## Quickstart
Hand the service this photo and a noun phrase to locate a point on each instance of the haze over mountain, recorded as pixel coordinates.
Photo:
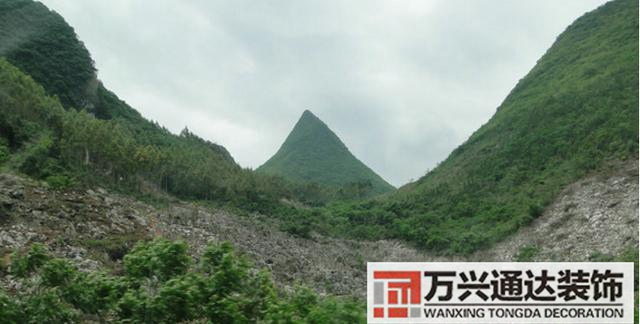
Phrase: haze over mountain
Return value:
(314, 153)
(424, 74)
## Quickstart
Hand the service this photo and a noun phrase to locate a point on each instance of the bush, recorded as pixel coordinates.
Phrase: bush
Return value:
(161, 258)
(222, 288)
(300, 229)
(527, 253)
(48, 307)
(24, 264)
(57, 272)
(58, 181)
(4, 152)
(9, 309)
(535, 210)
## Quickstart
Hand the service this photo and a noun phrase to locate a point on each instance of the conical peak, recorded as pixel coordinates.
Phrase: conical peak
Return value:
(308, 115)
(312, 152)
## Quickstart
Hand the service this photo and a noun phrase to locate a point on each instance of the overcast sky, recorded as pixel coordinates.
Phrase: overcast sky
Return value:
(402, 83)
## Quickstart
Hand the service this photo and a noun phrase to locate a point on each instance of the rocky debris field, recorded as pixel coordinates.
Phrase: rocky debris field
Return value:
(595, 216)
(95, 228)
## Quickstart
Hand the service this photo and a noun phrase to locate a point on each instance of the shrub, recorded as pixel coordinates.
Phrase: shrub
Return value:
(527, 253)
(4, 151)
(160, 258)
(48, 307)
(24, 264)
(222, 288)
(57, 272)
(9, 309)
(58, 181)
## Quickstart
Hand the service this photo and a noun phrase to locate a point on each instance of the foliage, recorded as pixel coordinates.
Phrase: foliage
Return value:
(59, 181)
(39, 41)
(160, 259)
(575, 111)
(160, 284)
(68, 147)
(313, 153)
(47, 307)
(111, 143)
(630, 254)
(9, 308)
(571, 114)
(298, 226)
(25, 264)
(527, 253)
(4, 151)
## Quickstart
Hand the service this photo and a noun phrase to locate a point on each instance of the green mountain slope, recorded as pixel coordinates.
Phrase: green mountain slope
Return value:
(38, 41)
(314, 153)
(575, 110)
(111, 144)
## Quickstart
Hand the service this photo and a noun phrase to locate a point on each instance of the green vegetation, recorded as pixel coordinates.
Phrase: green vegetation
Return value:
(571, 114)
(527, 253)
(628, 255)
(66, 147)
(313, 153)
(161, 283)
(39, 41)
(575, 110)
(42, 45)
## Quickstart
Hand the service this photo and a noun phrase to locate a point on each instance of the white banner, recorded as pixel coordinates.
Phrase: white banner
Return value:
(500, 292)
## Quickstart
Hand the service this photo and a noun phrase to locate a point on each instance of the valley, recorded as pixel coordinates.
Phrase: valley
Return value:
(106, 215)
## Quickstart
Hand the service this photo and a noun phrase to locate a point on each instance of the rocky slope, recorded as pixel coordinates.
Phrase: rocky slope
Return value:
(95, 228)
(597, 215)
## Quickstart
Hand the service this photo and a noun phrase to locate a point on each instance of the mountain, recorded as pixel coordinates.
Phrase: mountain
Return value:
(96, 138)
(41, 43)
(87, 185)
(572, 115)
(313, 153)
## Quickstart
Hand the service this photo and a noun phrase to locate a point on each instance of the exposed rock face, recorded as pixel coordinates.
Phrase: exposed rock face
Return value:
(95, 228)
(598, 214)
(92, 228)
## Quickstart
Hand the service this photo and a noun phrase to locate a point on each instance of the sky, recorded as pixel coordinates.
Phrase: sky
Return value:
(402, 83)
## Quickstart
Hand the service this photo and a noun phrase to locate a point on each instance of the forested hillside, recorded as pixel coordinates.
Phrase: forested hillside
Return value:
(574, 111)
(39, 41)
(62, 146)
(118, 147)
(313, 153)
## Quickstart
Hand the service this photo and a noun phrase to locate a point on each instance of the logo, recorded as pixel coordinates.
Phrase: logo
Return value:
(396, 294)
(500, 292)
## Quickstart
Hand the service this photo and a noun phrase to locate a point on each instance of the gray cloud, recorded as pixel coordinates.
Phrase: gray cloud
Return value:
(401, 82)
